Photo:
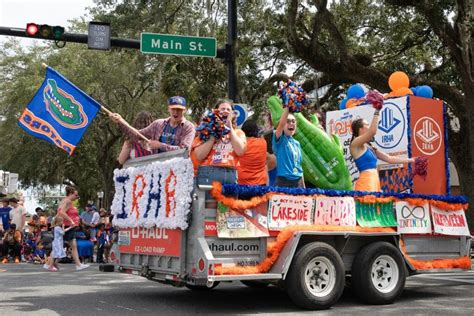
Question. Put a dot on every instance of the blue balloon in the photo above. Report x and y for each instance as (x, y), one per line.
(355, 91)
(342, 105)
(424, 91)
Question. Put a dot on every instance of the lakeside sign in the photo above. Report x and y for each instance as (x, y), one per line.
(168, 44)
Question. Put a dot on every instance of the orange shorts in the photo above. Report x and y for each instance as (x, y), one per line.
(368, 181)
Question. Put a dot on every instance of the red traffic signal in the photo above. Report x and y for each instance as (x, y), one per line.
(44, 31)
(32, 29)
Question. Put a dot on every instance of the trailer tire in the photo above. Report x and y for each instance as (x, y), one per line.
(316, 277)
(378, 273)
(201, 287)
(255, 284)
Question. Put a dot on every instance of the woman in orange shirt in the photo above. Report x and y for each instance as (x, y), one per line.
(218, 158)
(252, 168)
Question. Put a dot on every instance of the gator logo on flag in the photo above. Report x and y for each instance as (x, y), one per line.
(63, 107)
(59, 113)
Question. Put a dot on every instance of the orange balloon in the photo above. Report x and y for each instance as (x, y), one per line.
(398, 80)
(402, 92)
(352, 103)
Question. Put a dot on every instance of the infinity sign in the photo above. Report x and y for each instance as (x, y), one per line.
(417, 212)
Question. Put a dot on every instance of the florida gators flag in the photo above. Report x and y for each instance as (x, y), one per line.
(59, 112)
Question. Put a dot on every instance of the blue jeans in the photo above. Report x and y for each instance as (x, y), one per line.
(208, 174)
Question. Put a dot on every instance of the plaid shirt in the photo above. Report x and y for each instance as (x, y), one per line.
(184, 133)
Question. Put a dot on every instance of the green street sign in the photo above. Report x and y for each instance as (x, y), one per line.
(167, 44)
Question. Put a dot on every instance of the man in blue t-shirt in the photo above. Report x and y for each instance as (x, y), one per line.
(5, 214)
(288, 153)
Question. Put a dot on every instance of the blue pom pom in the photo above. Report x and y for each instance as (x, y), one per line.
(292, 96)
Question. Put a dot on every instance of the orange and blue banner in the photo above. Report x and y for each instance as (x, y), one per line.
(59, 113)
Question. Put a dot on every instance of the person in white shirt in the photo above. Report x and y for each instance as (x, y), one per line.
(17, 214)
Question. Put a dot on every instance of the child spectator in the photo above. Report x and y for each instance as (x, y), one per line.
(39, 255)
(102, 243)
(29, 247)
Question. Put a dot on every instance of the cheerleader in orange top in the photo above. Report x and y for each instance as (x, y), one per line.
(365, 155)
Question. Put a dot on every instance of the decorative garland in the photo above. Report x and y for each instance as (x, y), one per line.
(158, 194)
(262, 194)
(460, 262)
(274, 250)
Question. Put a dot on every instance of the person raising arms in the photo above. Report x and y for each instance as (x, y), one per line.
(365, 155)
(288, 152)
(218, 158)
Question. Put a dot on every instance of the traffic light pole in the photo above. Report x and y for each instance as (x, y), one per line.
(230, 49)
(227, 53)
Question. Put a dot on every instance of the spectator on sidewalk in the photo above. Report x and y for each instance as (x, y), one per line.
(102, 243)
(12, 244)
(39, 255)
(5, 215)
(90, 220)
(17, 214)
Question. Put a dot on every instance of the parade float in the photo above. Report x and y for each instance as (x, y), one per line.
(309, 241)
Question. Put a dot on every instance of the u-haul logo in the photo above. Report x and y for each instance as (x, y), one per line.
(391, 127)
(427, 135)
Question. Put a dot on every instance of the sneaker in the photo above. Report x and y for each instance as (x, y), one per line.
(82, 267)
(5, 260)
(45, 266)
(52, 269)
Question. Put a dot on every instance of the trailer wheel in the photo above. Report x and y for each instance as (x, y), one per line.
(378, 273)
(201, 287)
(255, 284)
(316, 276)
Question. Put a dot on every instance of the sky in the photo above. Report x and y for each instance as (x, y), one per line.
(17, 13)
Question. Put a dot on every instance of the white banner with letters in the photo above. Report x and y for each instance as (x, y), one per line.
(337, 211)
(449, 223)
(413, 219)
(158, 194)
(287, 210)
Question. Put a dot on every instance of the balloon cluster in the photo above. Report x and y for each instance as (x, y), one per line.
(400, 83)
(421, 167)
(293, 96)
(355, 95)
(212, 125)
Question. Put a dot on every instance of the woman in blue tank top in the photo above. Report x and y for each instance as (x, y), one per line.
(365, 156)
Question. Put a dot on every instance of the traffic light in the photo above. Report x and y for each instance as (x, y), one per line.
(44, 31)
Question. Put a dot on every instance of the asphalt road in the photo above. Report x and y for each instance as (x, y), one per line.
(28, 289)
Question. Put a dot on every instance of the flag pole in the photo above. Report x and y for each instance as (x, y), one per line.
(109, 113)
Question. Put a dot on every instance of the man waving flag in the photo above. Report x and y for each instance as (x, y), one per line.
(59, 112)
